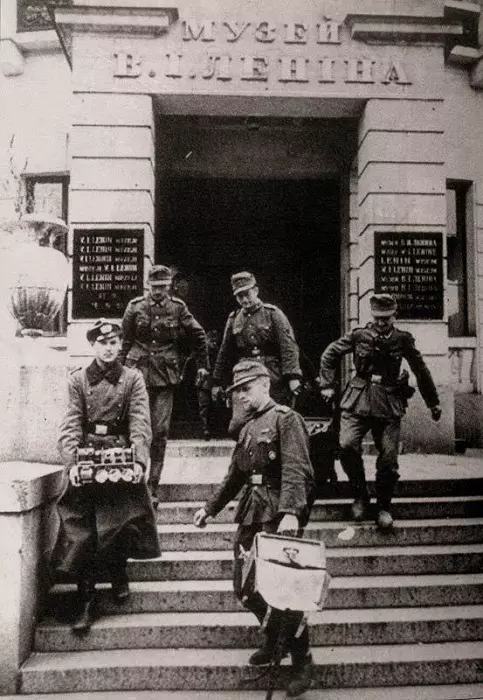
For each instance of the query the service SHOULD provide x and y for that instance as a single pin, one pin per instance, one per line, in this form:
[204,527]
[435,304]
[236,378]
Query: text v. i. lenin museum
[333,147]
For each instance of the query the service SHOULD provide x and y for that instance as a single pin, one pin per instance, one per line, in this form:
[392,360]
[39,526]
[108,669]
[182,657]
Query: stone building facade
[335,148]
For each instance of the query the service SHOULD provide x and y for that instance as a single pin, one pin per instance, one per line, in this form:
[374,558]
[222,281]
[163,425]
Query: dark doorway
[285,231]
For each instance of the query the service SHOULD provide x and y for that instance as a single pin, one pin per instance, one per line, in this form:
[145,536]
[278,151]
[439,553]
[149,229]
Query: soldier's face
[107,350]
[254,394]
[159,292]
[384,324]
[248,298]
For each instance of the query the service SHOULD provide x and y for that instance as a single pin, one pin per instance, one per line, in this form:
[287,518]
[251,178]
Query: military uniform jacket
[264,332]
[271,464]
[375,389]
[158,338]
[123,405]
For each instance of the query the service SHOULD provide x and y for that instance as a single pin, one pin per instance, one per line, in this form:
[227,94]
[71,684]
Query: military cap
[241,281]
[383,305]
[103,330]
[246,370]
[160,274]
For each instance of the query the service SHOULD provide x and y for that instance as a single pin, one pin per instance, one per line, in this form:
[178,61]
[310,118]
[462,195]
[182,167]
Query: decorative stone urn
[34,274]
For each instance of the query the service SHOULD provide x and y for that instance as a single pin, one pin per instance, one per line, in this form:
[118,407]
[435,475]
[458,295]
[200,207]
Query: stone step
[226,669]
[220,536]
[345,592]
[341,561]
[241,630]
[410,488]
[190,449]
[466,691]
[338,509]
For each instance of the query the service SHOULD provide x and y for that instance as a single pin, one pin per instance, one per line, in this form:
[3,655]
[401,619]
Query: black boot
[302,665]
[86,595]
[120,584]
[384,518]
[264,655]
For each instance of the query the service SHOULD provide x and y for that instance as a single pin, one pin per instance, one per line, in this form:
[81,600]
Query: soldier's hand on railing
[138,473]
[436,413]
[199,519]
[327,394]
[295,386]
[289,525]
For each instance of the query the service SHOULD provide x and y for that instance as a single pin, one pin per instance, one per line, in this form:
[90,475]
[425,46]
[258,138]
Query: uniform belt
[263,480]
[103,429]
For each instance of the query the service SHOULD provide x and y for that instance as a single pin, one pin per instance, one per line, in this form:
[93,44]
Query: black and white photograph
[241,349]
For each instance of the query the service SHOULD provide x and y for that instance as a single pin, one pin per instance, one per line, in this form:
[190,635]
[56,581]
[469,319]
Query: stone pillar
[112,172]
[479,290]
[401,188]
[28,527]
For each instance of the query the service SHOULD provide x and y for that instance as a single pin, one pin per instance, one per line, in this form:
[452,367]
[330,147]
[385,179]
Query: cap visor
[245,288]
[245,380]
[383,314]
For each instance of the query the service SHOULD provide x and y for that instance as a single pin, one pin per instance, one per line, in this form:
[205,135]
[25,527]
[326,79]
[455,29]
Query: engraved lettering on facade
[265,32]
[395,74]
[235,30]
[192,30]
[218,66]
[174,65]
[293,70]
[359,70]
[128,64]
[254,68]
[326,70]
[328,32]
[296,33]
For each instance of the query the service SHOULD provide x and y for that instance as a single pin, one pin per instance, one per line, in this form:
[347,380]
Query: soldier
[104,523]
[261,331]
[376,399]
[158,334]
[271,462]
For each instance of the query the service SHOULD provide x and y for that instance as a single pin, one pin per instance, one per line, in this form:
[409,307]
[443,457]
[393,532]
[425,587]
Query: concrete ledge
[27,485]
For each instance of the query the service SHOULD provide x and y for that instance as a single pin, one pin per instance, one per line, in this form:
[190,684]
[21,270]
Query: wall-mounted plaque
[107,271]
[410,267]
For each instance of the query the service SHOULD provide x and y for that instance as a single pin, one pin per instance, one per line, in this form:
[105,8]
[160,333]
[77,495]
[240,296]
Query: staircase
[404,609]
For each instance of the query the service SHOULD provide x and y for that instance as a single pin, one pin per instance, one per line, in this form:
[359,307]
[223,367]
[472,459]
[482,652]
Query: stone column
[112,171]
[401,188]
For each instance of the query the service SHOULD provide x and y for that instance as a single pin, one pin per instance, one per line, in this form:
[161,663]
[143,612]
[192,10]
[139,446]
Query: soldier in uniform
[271,463]
[102,525]
[376,399]
[261,331]
[159,333]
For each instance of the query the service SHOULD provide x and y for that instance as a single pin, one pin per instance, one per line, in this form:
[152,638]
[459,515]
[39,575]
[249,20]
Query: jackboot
[384,519]
[264,655]
[302,674]
[86,589]
[120,583]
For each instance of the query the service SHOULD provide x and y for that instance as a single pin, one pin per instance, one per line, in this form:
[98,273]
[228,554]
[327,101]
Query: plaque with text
[410,267]
[107,271]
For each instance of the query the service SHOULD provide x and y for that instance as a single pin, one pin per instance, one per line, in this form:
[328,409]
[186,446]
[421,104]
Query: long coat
[105,523]
[271,463]
[263,332]
[158,337]
[376,389]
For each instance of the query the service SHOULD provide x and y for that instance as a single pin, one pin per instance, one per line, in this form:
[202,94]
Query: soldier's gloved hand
[138,473]
[199,518]
[74,476]
[327,394]
[201,376]
[288,524]
[216,393]
[436,413]
[295,386]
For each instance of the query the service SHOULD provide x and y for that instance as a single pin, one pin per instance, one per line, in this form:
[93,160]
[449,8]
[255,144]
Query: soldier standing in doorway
[271,463]
[104,522]
[376,399]
[262,332]
[159,333]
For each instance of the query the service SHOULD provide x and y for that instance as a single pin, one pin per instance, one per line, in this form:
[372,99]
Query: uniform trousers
[161,408]
[299,646]
[385,431]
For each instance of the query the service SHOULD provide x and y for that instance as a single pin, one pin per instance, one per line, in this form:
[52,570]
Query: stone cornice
[124,20]
[405,29]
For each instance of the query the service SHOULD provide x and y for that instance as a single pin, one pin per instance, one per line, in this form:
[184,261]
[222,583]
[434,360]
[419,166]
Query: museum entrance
[286,231]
